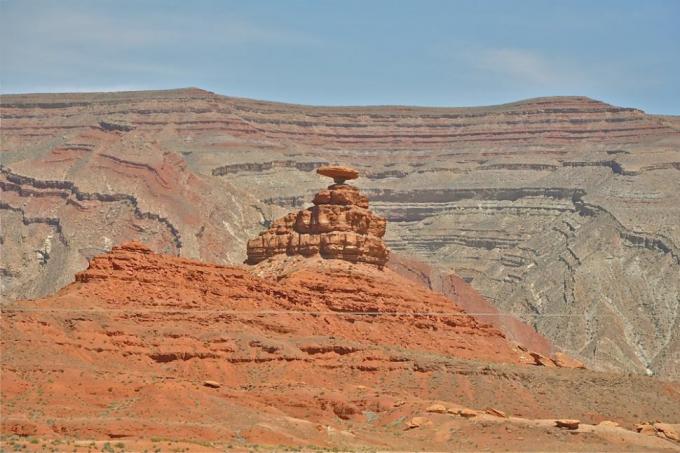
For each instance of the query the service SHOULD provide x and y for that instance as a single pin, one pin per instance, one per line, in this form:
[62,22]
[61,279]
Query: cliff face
[564,211]
[313,352]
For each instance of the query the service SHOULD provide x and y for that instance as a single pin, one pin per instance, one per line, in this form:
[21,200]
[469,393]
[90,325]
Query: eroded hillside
[564,211]
[315,353]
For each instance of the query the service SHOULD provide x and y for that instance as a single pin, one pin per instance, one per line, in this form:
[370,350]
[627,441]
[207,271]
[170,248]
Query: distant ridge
[194,93]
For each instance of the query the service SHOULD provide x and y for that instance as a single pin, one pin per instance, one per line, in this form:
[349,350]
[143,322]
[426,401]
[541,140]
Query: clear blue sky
[350,52]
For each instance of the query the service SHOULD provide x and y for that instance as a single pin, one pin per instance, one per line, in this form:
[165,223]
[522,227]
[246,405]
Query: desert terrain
[317,344]
[562,211]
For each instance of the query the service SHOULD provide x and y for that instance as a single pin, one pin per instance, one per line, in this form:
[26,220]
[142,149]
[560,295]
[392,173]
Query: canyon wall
[564,211]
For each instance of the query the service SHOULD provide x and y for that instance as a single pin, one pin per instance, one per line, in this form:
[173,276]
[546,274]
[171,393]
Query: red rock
[567,423]
[541,360]
[184,212]
[133,246]
[417,422]
[468,413]
[338,226]
[19,427]
[314,342]
[117,435]
[212,384]
[436,408]
[339,173]
[344,410]
[341,194]
[495,412]
[646,429]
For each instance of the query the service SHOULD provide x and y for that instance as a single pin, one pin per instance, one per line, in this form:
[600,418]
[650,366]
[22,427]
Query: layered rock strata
[339,226]
[328,354]
[561,210]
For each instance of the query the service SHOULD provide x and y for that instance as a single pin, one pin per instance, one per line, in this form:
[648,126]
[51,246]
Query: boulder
[567,423]
[417,422]
[468,413]
[343,409]
[668,430]
[436,408]
[212,384]
[495,412]
[646,429]
[339,173]
[608,424]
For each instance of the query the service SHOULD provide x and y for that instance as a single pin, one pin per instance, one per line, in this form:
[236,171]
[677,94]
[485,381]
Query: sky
[368,52]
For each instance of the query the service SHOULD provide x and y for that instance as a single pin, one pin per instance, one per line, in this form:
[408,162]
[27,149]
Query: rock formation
[339,173]
[327,354]
[338,226]
[560,205]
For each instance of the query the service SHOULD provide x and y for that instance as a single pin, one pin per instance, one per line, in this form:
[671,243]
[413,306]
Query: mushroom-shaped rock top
[338,173]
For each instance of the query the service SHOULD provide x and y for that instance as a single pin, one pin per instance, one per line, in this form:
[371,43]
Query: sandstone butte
[296,351]
[339,225]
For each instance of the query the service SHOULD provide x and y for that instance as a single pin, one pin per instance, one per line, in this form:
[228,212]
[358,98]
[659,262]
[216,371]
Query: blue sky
[348,52]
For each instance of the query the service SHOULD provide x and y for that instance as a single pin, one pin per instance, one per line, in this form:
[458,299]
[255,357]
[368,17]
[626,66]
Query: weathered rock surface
[564,211]
[567,423]
[339,173]
[646,429]
[437,408]
[316,353]
[668,431]
[339,225]
[212,384]
[417,422]
[495,412]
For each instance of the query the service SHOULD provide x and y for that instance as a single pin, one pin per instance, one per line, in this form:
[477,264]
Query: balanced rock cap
[339,173]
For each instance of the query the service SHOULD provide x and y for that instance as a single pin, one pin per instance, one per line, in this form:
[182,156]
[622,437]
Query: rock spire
[339,226]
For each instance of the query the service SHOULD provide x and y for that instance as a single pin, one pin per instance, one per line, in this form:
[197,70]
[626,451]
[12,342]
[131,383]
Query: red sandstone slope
[332,354]
[311,301]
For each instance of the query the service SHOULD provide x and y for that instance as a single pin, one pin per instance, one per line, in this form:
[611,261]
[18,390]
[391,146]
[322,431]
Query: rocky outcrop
[339,173]
[338,226]
[163,346]
[567,423]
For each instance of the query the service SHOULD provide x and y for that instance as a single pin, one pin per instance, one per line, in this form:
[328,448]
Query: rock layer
[339,226]
[317,353]
[339,173]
